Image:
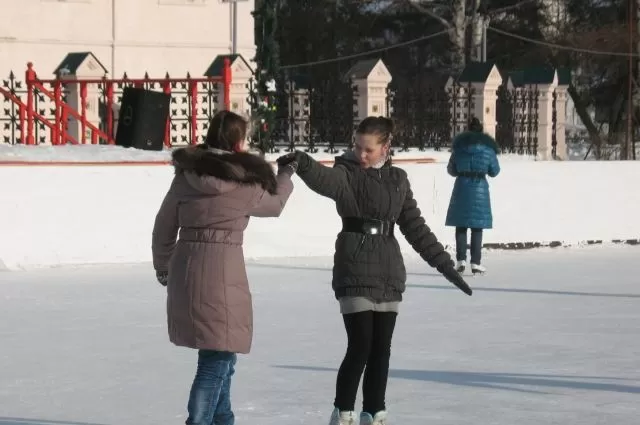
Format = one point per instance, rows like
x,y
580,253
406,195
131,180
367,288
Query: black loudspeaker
x,y
143,119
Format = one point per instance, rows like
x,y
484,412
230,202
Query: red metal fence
x,y
39,111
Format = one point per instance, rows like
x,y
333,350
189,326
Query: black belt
x,y
472,174
367,226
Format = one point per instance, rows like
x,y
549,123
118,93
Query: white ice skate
x,y
461,266
342,418
379,419
478,269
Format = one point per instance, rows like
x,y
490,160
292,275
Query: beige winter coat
x,y
207,208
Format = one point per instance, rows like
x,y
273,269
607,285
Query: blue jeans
x,y
476,245
210,396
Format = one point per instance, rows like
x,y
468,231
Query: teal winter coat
x,y
474,156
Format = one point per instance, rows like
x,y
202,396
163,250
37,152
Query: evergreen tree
x,y
268,64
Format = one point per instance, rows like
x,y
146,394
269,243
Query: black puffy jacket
x,y
372,265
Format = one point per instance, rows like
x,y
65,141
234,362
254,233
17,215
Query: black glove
x,y
162,277
286,165
298,157
286,159
289,169
451,274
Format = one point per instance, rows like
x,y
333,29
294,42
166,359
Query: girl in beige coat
x,y
216,188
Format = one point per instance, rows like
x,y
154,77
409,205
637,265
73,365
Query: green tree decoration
x,y
265,90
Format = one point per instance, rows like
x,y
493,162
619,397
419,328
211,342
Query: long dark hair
x,y
226,130
380,126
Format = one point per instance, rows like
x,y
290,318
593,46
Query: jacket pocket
x,y
358,250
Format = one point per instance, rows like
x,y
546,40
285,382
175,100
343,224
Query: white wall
x,y
53,215
135,36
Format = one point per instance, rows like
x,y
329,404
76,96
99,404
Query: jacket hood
x,y
469,138
216,171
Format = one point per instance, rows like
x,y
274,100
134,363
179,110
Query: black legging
x,y
369,344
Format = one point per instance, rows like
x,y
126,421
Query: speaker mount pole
x,y
234,35
233,4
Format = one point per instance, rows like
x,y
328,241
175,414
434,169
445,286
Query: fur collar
x,y
472,137
239,167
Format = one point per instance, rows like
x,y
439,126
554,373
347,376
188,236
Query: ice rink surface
x,y
549,337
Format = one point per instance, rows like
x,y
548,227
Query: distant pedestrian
x,y
474,156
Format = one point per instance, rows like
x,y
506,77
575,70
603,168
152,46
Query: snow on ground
x,y
56,215
550,337
106,153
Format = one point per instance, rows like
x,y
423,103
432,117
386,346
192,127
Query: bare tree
x,y
456,10
477,30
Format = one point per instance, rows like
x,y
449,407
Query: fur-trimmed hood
x,y
468,138
235,167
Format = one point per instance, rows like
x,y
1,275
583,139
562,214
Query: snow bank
x,y
113,154
104,214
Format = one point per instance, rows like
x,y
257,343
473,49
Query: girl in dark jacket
x,y
369,275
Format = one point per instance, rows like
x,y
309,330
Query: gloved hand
x,y
300,158
162,277
286,158
286,165
451,274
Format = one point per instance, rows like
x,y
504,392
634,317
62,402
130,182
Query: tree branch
x,y
582,112
508,8
427,12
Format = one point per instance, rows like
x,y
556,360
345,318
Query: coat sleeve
x,y
325,181
419,235
451,166
494,166
165,230
269,205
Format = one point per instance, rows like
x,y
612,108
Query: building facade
x,y
132,36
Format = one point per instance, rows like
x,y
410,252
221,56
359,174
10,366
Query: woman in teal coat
x,y
474,156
